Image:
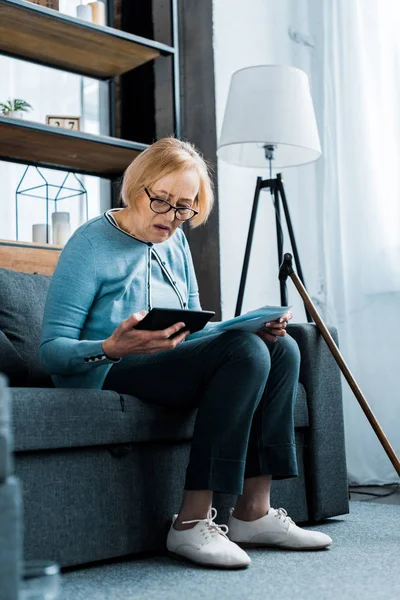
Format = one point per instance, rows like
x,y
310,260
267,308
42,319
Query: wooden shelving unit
x,y
29,257
45,36
36,144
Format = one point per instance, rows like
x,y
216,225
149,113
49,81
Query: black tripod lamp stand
x,y
269,121
279,196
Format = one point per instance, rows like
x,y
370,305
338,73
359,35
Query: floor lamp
x,y
270,122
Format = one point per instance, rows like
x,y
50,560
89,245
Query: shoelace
x,y
210,526
281,512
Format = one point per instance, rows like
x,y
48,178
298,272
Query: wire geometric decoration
x,y
61,192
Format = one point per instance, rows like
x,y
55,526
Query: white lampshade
x,y
269,104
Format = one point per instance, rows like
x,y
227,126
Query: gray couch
x,y
103,472
10,505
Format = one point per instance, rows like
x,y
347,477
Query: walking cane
x,y
287,270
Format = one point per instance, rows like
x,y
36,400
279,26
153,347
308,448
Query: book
x,y
251,321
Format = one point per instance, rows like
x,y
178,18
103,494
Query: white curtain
x,y
357,70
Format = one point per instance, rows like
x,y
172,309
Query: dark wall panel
x,y
137,86
199,126
146,109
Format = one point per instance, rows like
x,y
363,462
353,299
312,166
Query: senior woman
x,y
114,269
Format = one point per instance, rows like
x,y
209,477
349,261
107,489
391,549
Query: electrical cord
x,y
387,485
280,234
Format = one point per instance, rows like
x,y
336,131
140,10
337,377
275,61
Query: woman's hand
x,y
127,340
271,331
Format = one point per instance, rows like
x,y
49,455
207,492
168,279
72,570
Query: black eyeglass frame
x,y
171,207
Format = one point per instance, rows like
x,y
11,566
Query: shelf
x,y
42,145
29,257
26,245
35,33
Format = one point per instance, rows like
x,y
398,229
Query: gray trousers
x,y
244,389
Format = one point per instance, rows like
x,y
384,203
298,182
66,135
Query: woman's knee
x,y
246,347
290,352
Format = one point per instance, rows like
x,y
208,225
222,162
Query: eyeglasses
x,y
160,206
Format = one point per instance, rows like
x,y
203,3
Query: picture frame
x,y
65,122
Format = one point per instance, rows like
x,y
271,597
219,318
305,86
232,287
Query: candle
x,y
99,12
84,11
40,233
62,233
58,217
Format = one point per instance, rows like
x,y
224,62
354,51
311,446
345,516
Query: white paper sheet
x,y
250,321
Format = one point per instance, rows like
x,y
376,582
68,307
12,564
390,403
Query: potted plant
x,y
14,108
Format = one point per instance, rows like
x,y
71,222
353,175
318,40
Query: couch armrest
x,y
325,461
6,459
10,504
10,538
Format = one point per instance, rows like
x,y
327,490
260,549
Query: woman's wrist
x,y
108,352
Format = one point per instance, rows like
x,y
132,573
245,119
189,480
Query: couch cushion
x,y
22,301
69,418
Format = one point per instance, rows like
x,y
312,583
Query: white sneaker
x,y
275,529
206,544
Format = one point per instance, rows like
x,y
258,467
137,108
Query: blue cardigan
x,y
103,276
